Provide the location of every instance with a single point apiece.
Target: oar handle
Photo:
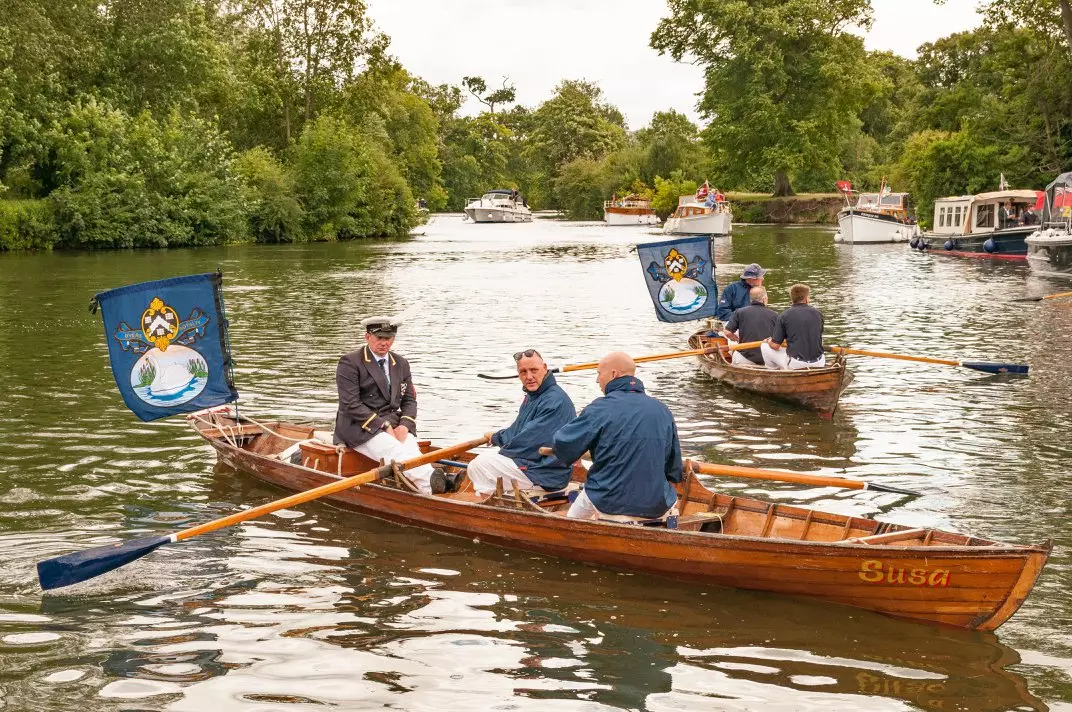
(324, 490)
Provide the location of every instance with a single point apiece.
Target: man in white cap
(736, 295)
(378, 406)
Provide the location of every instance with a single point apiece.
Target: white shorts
(384, 446)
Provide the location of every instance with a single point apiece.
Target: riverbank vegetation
(189, 122)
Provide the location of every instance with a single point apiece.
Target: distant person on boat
(634, 446)
(754, 322)
(545, 409)
(736, 295)
(702, 191)
(377, 414)
(801, 327)
(1006, 217)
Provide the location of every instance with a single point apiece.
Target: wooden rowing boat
(922, 574)
(817, 389)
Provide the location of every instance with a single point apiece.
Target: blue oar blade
(1020, 368)
(83, 565)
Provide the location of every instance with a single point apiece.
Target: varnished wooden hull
(978, 585)
(817, 389)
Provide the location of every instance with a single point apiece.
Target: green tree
(784, 81)
(479, 89)
(579, 189)
(274, 215)
(667, 192)
(671, 142)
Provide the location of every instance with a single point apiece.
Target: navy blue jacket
(634, 446)
(542, 413)
(734, 297)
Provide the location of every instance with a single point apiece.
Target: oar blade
(1015, 368)
(890, 488)
(84, 565)
(494, 377)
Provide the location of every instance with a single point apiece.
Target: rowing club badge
(680, 293)
(170, 372)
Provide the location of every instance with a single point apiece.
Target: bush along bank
(815, 209)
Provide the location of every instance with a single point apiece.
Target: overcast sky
(537, 43)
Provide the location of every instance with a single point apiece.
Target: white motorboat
(876, 217)
(699, 215)
(1049, 249)
(631, 210)
(498, 206)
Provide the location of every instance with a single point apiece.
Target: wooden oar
(753, 473)
(1048, 296)
(639, 359)
(1020, 368)
(83, 565)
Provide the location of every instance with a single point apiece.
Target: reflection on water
(315, 607)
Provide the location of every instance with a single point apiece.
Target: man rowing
(801, 327)
(544, 410)
(633, 443)
(378, 405)
(754, 322)
(736, 295)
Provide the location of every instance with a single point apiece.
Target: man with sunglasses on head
(378, 405)
(544, 410)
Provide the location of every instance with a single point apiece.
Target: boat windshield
(867, 200)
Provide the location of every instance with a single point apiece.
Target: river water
(319, 609)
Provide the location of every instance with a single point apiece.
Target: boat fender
(989, 245)
(913, 243)
(948, 245)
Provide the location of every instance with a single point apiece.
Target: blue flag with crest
(167, 341)
(680, 275)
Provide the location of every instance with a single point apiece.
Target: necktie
(386, 371)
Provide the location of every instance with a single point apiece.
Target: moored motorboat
(630, 210)
(922, 574)
(876, 218)
(498, 206)
(817, 389)
(993, 224)
(699, 216)
(1049, 249)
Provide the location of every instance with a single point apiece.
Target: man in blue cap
(634, 445)
(735, 296)
(544, 410)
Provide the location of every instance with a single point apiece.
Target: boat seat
(668, 520)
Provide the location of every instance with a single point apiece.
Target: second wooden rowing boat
(817, 389)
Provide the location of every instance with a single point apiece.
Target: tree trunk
(1066, 18)
(782, 188)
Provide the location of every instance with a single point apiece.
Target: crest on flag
(680, 278)
(167, 341)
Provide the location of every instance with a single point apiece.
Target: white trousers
(384, 446)
(739, 359)
(488, 467)
(582, 508)
(780, 359)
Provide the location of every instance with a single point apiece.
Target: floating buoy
(913, 243)
(948, 245)
(989, 245)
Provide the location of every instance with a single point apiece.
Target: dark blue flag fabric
(680, 275)
(167, 341)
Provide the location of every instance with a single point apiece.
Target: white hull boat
(1049, 252)
(632, 210)
(696, 217)
(868, 228)
(498, 206)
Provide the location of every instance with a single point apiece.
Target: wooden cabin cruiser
(875, 218)
(993, 224)
(699, 216)
(1049, 249)
(630, 210)
(498, 206)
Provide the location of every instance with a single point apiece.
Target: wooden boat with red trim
(817, 389)
(922, 574)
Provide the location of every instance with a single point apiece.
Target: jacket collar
(548, 382)
(625, 383)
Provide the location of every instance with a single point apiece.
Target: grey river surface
(319, 609)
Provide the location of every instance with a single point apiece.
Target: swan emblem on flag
(170, 372)
(681, 293)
